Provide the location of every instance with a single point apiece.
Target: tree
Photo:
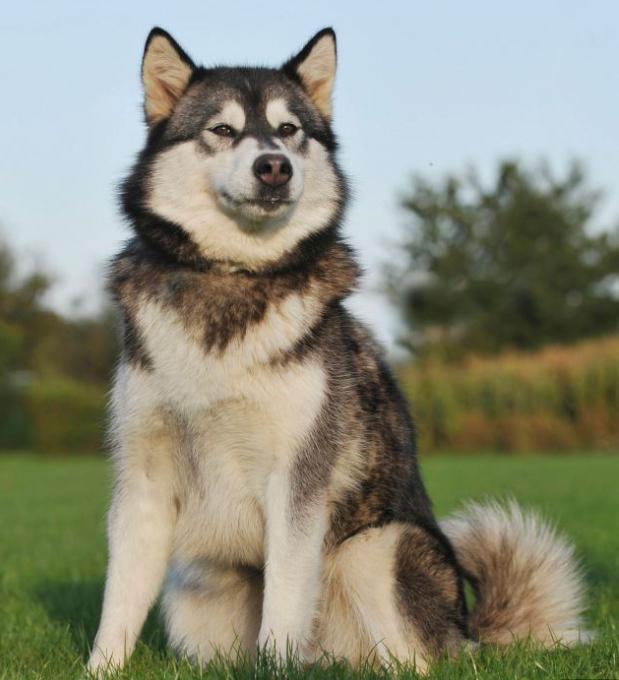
(36, 339)
(20, 312)
(513, 266)
(54, 370)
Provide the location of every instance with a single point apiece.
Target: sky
(422, 88)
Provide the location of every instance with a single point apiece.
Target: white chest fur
(244, 416)
(192, 378)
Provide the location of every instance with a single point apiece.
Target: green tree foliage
(54, 370)
(20, 312)
(515, 265)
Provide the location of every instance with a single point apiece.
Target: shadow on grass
(600, 573)
(76, 606)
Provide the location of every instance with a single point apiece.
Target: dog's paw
(102, 663)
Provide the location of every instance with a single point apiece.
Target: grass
(52, 554)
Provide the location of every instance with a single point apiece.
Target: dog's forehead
(252, 93)
(266, 94)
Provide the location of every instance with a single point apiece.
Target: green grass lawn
(52, 559)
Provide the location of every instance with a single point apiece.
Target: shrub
(556, 399)
(66, 417)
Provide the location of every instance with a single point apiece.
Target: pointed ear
(314, 68)
(166, 72)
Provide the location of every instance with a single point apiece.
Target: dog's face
(240, 159)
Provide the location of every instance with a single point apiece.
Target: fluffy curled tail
(525, 576)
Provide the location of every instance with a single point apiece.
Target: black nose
(273, 169)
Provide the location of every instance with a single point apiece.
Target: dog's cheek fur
(179, 189)
(230, 171)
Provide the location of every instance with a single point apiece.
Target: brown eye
(222, 131)
(287, 129)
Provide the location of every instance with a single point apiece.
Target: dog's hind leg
(389, 594)
(210, 609)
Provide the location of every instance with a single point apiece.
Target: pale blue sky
(422, 87)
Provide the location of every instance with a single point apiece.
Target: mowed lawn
(52, 560)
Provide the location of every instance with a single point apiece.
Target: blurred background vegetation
(54, 369)
(509, 300)
(510, 297)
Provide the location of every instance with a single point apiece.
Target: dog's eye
(222, 131)
(287, 129)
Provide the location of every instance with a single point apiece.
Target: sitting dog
(266, 473)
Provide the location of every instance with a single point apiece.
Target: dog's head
(239, 164)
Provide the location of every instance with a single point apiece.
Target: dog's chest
(223, 471)
(243, 411)
(228, 452)
(198, 361)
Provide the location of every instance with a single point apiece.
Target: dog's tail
(525, 576)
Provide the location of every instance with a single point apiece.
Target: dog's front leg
(295, 534)
(139, 534)
(140, 525)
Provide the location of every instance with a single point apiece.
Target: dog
(266, 476)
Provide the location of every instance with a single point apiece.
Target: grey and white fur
(265, 464)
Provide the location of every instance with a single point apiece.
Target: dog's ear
(314, 68)
(166, 72)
